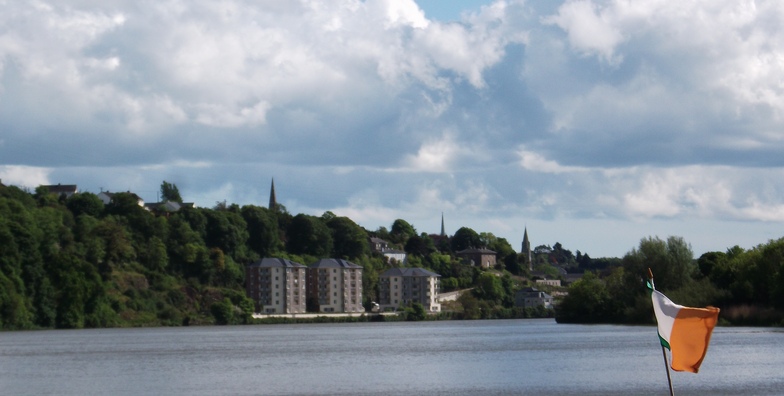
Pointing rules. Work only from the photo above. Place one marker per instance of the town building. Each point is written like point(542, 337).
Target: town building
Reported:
point(334, 285)
point(532, 298)
point(277, 285)
point(403, 286)
point(394, 256)
point(549, 282)
point(484, 258)
point(62, 189)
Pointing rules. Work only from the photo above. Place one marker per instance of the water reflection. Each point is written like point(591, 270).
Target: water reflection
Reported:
point(536, 357)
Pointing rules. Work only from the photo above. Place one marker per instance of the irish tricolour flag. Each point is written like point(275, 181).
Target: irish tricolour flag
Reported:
point(685, 331)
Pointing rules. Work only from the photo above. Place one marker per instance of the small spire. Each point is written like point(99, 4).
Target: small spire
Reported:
point(273, 202)
point(443, 231)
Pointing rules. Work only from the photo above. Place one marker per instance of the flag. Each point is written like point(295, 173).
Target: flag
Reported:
point(685, 331)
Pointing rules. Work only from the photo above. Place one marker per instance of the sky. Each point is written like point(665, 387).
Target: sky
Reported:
point(590, 123)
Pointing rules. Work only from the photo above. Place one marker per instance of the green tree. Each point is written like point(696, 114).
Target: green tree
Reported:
point(170, 192)
point(226, 230)
point(349, 240)
point(85, 203)
point(465, 238)
point(489, 287)
point(309, 235)
point(670, 261)
point(586, 302)
point(415, 312)
point(224, 312)
point(401, 231)
point(263, 233)
point(419, 246)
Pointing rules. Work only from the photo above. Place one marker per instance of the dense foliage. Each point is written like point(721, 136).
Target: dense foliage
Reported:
point(748, 285)
point(75, 262)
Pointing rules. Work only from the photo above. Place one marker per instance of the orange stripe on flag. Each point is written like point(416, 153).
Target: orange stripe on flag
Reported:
point(690, 337)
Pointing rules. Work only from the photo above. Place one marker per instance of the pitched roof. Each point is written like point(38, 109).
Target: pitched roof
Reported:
point(474, 250)
point(62, 188)
point(406, 272)
point(333, 263)
point(270, 262)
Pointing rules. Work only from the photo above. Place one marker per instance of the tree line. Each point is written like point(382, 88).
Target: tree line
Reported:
point(73, 262)
point(748, 285)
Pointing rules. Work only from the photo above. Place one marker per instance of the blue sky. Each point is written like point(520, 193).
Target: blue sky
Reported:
point(449, 10)
point(593, 123)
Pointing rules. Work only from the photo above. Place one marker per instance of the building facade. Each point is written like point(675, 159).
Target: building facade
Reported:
point(484, 258)
point(277, 285)
point(531, 298)
point(334, 285)
point(403, 286)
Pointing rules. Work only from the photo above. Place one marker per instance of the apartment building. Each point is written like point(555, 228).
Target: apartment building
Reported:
point(335, 285)
point(402, 286)
point(277, 285)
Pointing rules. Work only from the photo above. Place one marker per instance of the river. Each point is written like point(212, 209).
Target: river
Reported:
point(488, 357)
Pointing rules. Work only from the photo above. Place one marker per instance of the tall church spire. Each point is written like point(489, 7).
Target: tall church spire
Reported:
point(527, 250)
point(443, 231)
point(273, 203)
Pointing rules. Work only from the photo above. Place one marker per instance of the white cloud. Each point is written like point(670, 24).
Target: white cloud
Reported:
point(591, 29)
point(535, 162)
point(442, 154)
point(620, 111)
point(24, 176)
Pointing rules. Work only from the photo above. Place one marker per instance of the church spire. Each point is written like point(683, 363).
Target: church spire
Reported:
point(273, 203)
point(443, 231)
point(527, 249)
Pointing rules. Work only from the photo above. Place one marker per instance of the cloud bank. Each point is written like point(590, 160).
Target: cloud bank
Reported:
point(630, 118)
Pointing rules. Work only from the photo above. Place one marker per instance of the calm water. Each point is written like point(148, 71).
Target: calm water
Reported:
point(531, 357)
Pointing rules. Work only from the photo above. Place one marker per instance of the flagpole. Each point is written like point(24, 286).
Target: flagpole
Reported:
point(664, 353)
point(667, 367)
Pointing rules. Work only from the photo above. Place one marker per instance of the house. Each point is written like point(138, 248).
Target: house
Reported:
point(402, 286)
point(379, 245)
point(106, 197)
point(396, 256)
point(484, 258)
point(531, 298)
point(334, 285)
point(62, 189)
point(276, 285)
point(549, 282)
